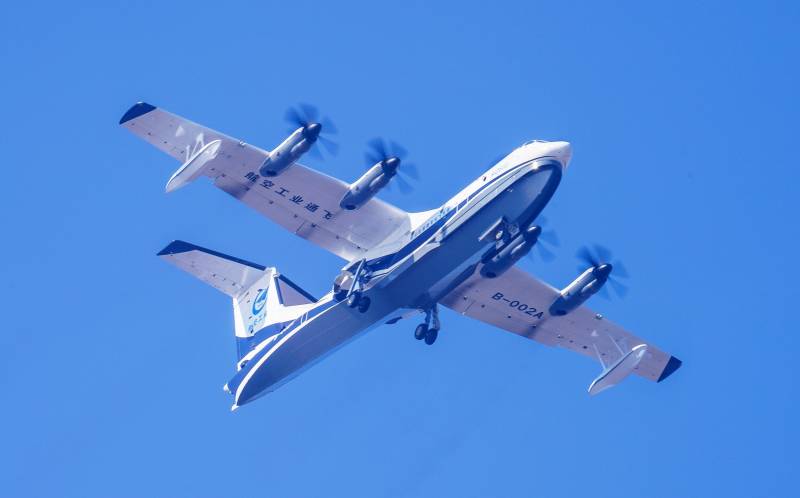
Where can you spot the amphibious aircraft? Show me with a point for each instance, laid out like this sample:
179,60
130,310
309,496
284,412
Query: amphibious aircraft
398,264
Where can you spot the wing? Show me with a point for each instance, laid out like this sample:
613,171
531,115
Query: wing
518,302
302,200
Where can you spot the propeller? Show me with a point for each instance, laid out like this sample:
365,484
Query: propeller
392,154
307,116
546,238
597,256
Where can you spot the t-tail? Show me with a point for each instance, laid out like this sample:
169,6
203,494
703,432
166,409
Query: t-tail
264,301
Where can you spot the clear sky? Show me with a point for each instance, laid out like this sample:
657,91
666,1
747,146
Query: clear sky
683,119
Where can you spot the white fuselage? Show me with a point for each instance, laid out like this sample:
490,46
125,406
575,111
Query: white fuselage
424,264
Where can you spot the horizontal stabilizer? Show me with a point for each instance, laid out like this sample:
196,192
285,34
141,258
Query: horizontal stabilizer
230,274
225,273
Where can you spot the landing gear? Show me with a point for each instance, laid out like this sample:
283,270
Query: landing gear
359,301
430,329
431,336
353,299
353,293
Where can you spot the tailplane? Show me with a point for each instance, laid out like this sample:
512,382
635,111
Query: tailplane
264,301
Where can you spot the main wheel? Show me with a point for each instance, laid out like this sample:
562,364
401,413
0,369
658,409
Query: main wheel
431,336
420,332
353,299
363,304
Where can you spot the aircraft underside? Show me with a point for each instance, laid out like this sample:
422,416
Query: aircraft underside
437,268
399,264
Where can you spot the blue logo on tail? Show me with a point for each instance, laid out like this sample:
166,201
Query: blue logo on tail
260,301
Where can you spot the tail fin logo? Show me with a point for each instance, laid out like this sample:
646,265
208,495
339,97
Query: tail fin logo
260,301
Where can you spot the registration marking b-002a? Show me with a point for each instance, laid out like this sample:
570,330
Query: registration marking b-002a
518,305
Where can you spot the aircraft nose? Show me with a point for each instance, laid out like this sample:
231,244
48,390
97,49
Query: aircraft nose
563,151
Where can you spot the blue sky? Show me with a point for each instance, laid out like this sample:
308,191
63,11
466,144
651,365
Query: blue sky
683,123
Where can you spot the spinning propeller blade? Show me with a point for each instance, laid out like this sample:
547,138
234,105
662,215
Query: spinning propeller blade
305,115
380,150
599,255
546,238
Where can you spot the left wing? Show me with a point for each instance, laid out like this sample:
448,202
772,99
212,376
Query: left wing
518,302
300,199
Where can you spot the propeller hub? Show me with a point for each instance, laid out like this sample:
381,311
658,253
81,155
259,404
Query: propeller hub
311,131
532,233
603,271
390,164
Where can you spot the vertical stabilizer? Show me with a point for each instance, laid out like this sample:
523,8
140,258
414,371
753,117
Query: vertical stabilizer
266,307
264,301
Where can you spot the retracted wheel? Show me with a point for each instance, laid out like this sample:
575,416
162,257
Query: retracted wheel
363,304
353,299
421,331
431,336
340,294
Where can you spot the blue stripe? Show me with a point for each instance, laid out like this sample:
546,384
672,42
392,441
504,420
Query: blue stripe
388,260
384,262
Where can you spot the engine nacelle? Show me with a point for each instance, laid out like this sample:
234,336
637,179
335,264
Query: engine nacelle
582,288
366,187
504,256
290,150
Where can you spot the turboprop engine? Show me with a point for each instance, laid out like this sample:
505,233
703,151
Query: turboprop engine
503,256
288,152
590,281
385,159
299,142
369,184
581,289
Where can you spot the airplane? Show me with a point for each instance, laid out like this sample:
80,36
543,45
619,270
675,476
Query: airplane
398,265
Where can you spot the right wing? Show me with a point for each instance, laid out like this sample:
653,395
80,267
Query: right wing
518,302
300,199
